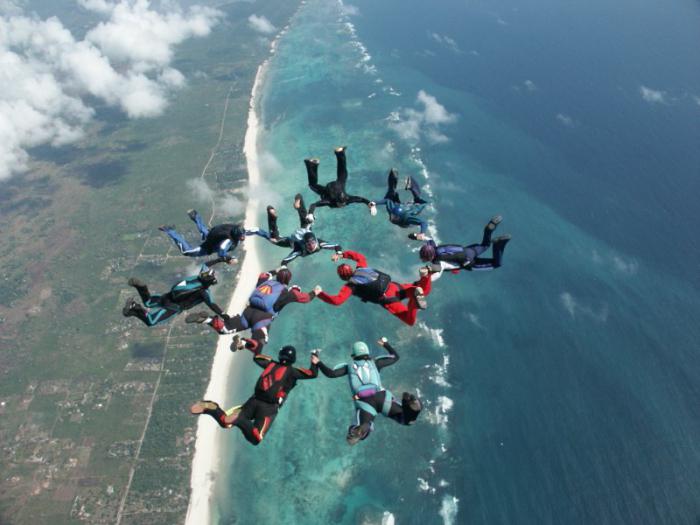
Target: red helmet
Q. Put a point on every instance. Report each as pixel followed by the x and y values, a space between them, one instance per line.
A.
pixel 284 276
pixel 345 271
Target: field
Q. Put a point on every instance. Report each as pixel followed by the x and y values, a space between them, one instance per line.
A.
pixel 94 424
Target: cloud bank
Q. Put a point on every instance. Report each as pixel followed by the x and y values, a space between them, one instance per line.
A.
pixel 51 80
pixel 424 123
pixel 652 96
pixel 261 24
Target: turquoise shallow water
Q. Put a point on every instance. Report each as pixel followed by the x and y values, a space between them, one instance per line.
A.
pixel 567 386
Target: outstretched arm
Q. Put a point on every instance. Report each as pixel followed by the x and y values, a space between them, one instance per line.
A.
pixel 306 373
pixel 336 300
pixel 338 371
pixel 262 360
pixel 355 256
pixel 386 360
pixel 330 246
pixel 289 258
pixel 206 296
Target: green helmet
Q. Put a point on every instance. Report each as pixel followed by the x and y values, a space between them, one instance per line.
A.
pixel 359 349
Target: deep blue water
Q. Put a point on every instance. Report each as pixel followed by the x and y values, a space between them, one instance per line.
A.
pixel 568 386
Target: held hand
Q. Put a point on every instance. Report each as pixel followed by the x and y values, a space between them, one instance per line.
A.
pixel 317 289
pixel 231 261
pixel 382 341
pixel 423 271
pixel 314 358
pixel 335 257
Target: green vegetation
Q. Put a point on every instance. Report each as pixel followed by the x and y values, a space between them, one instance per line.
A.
pixel 77 380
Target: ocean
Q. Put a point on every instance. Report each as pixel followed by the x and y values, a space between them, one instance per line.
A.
pixel 563 387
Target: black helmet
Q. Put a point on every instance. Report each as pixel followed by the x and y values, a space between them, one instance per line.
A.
pixel 284 275
pixel 207 276
pixel 287 355
pixel 310 241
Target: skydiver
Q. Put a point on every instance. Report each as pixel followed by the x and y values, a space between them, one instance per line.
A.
pixel 221 239
pixel 272 293
pixel 256 415
pixel 332 194
pixel 454 257
pixel 374 286
pixel 302 241
pixel 369 396
pixel 404 215
pixel 184 295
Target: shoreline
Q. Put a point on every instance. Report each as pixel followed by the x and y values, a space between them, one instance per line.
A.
pixel 227 366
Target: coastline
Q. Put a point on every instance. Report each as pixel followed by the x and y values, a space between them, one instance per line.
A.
pixel 227 366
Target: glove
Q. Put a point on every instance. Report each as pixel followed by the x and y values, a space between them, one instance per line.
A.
pixel 317 289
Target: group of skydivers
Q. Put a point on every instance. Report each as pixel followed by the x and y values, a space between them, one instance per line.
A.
pixel 273 292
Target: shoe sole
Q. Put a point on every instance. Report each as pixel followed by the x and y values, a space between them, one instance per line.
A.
pixel 200 406
pixel 198 318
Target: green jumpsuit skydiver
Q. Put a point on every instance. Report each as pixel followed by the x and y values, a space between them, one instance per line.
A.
pixel 369 396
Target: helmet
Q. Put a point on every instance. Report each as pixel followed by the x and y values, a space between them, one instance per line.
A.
pixel 345 271
pixel 207 275
pixel 287 355
pixel 310 241
pixel 284 275
pixel 359 350
pixel 427 252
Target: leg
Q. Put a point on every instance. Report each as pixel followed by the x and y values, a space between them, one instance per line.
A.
pixel 341 166
pixel 210 408
pixel 485 264
pixel 197 218
pixel 414 188
pixel 489 229
pixel 301 210
pixel 362 427
pixel 312 174
pixel 142 289
pixel 150 317
pixel 263 416
pixel 181 243
pixel 272 223
pixel 407 411
pixel 392 183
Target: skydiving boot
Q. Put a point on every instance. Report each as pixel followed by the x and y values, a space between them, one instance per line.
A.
pixel 357 433
pixel 237 343
pixel 411 406
pixel 493 222
pixel 420 298
pixel 340 149
pixel 197 317
pixel 134 309
pixel 192 214
pixel 136 283
pixel 166 227
pixel 130 307
pixel 211 408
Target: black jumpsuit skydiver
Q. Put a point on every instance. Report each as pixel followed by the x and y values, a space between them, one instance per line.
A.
pixel 271 390
pixel 332 194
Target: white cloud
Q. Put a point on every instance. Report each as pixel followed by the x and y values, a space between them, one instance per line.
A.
pixel 261 24
pixel 697 100
pixel 413 124
pixel 223 203
pixel 624 266
pixel 445 41
pixel 575 307
pixel 530 85
pixel 350 10
pixel 652 95
pixel 49 77
pixel 565 119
